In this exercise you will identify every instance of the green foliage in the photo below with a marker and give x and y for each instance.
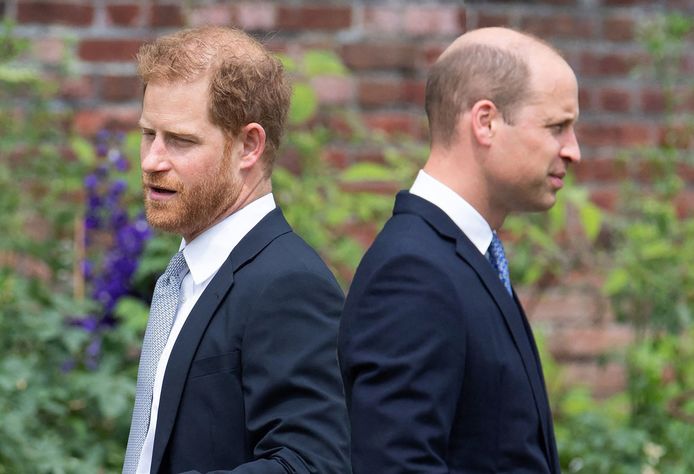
(649, 428)
(312, 191)
(548, 245)
(652, 282)
(62, 410)
(59, 414)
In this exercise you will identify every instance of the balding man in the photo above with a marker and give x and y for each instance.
(238, 371)
(440, 367)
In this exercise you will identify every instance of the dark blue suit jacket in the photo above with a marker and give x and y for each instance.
(440, 368)
(252, 385)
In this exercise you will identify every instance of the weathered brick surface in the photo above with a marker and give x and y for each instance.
(317, 17)
(121, 88)
(166, 15)
(254, 16)
(98, 49)
(76, 14)
(123, 14)
(380, 55)
(602, 379)
(590, 342)
(388, 47)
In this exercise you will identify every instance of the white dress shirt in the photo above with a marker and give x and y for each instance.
(204, 256)
(458, 209)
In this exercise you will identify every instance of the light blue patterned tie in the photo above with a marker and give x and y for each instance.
(161, 317)
(497, 257)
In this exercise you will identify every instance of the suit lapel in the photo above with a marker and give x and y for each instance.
(511, 310)
(269, 228)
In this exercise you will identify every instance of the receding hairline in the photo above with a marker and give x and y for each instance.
(529, 48)
(214, 44)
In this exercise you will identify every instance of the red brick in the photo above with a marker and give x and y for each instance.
(562, 306)
(379, 55)
(109, 49)
(253, 16)
(619, 28)
(334, 90)
(653, 100)
(607, 64)
(165, 15)
(414, 92)
(590, 342)
(77, 88)
(615, 134)
(395, 123)
(89, 121)
(462, 18)
(561, 26)
(603, 380)
(683, 5)
(371, 155)
(605, 197)
(613, 99)
(680, 136)
(585, 96)
(431, 20)
(431, 52)
(49, 50)
(684, 203)
(600, 169)
(55, 12)
(215, 14)
(686, 172)
(492, 19)
(120, 88)
(624, 3)
(380, 92)
(336, 156)
(123, 15)
(328, 17)
(388, 188)
(383, 19)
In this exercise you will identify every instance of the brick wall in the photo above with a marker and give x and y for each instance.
(388, 45)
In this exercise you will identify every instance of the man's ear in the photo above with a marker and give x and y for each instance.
(483, 117)
(251, 139)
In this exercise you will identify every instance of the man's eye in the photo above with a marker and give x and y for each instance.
(558, 128)
(181, 141)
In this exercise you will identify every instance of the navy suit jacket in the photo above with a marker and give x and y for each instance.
(440, 368)
(252, 384)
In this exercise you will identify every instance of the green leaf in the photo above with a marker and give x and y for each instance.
(83, 150)
(133, 313)
(323, 63)
(591, 220)
(304, 104)
(367, 171)
(617, 280)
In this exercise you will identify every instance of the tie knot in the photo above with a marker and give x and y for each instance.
(496, 251)
(176, 266)
(499, 262)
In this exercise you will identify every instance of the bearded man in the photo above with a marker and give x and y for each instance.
(238, 371)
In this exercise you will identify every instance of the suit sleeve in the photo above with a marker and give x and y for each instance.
(402, 350)
(295, 409)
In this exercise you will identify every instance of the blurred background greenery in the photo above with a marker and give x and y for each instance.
(78, 267)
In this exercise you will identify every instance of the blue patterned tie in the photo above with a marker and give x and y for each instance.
(497, 257)
(161, 316)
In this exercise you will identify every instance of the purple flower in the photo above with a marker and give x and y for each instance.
(91, 181)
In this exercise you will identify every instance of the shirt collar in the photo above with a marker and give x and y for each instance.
(207, 252)
(458, 209)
